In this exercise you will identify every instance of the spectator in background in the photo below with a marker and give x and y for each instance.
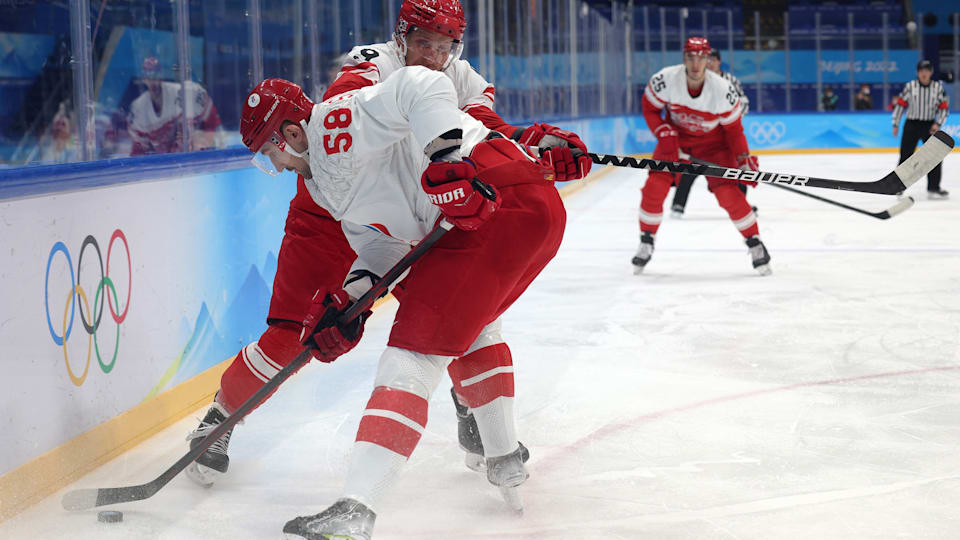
(927, 106)
(156, 117)
(829, 99)
(863, 101)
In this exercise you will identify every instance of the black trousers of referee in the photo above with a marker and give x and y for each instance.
(913, 132)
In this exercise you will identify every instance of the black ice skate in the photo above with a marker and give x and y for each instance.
(938, 195)
(507, 472)
(676, 211)
(214, 461)
(644, 252)
(469, 437)
(346, 519)
(760, 255)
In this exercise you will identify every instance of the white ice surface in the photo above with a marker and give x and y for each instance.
(697, 401)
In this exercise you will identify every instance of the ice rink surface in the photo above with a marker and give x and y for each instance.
(696, 401)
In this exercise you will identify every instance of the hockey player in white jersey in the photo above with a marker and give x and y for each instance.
(429, 33)
(691, 109)
(362, 154)
(680, 195)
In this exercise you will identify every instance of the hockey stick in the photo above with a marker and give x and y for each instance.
(900, 206)
(906, 174)
(84, 499)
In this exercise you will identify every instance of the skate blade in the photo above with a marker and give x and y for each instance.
(511, 495)
(637, 270)
(475, 462)
(764, 269)
(201, 475)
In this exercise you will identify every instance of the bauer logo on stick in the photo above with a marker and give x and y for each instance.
(765, 177)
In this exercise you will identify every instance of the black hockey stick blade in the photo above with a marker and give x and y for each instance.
(84, 499)
(898, 208)
(906, 174)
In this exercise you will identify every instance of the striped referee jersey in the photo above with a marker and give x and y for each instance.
(926, 103)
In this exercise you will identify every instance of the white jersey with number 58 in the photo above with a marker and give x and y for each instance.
(367, 157)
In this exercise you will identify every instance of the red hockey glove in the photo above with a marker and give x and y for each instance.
(323, 333)
(746, 162)
(464, 200)
(565, 166)
(668, 143)
(551, 138)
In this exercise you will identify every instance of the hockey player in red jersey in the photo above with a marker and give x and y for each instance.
(692, 109)
(314, 253)
(395, 158)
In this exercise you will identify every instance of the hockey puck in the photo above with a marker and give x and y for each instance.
(110, 516)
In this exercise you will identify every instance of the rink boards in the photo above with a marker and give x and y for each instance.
(114, 294)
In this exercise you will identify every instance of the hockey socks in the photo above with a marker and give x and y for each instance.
(257, 363)
(483, 380)
(392, 422)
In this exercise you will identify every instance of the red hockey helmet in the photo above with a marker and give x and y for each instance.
(696, 45)
(444, 17)
(269, 104)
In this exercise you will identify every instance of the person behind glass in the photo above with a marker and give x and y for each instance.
(863, 101)
(829, 100)
(927, 107)
(685, 183)
(155, 122)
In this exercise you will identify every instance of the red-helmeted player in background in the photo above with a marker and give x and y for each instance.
(692, 110)
(314, 253)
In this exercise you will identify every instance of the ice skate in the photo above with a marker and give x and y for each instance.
(507, 472)
(345, 519)
(938, 195)
(644, 252)
(760, 255)
(676, 211)
(469, 438)
(214, 461)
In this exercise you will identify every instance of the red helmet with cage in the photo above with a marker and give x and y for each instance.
(696, 45)
(269, 104)
(444, 17)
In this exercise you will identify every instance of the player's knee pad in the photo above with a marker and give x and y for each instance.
(396, 414)
(257, 363)
(410, 371)
(656, 189)
(483, 375)
(730, 198)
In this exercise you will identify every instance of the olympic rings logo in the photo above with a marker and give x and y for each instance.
(767, 132)
(90, 322)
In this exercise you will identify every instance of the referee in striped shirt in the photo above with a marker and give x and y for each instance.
(926, 103)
